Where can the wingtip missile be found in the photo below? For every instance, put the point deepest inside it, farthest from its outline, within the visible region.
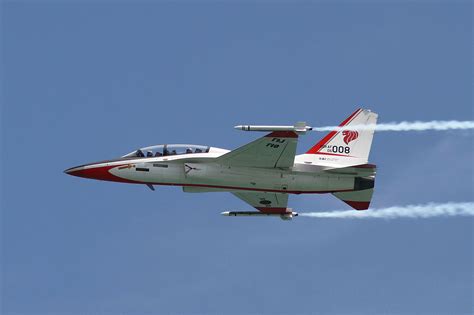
(299, 127)
(283, 216)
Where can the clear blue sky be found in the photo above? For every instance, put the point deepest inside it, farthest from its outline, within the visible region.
(84, 81)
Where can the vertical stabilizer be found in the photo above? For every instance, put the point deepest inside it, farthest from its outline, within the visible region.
(345, 146)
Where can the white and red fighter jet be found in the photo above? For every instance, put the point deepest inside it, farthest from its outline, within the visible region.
(262, 173)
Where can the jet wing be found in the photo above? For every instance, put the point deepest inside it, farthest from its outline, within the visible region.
(275, 150)
(274, 203)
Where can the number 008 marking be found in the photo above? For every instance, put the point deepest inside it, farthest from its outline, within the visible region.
(340, 149)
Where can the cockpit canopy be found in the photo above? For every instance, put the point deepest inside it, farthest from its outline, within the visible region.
(167, 149)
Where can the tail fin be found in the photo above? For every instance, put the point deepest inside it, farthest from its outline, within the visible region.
(359, 200)
(346, 147)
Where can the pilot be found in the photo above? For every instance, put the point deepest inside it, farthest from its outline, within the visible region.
(166, 152)
(149, 154)
(173, 152)
(158, 153)
(189, 150)
(198, 150)
(140, 153)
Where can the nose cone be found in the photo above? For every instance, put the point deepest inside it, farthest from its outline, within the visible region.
(98, 171)
(79, 171)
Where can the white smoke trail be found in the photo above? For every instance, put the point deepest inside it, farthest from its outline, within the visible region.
(407, 126)
(450, 209)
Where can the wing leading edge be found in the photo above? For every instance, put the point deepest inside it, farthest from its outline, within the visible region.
(275, 150)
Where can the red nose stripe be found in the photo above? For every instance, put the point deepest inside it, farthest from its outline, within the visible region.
(100, 173)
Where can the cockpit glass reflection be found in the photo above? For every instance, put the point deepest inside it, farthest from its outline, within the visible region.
(167, 150)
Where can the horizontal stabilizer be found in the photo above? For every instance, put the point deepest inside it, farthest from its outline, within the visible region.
(359, 200)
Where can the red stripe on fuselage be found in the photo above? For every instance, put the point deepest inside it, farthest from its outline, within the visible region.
(334, 154)
(102, 173)
(365, 166)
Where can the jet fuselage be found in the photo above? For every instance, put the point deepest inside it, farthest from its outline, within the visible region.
(198, 172)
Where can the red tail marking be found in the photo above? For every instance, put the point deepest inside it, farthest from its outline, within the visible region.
(349, 135)
(365, 166)
(331, 135)
(358, 205)
(334, 154)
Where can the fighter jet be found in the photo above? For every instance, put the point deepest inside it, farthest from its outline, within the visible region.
(263, 173)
